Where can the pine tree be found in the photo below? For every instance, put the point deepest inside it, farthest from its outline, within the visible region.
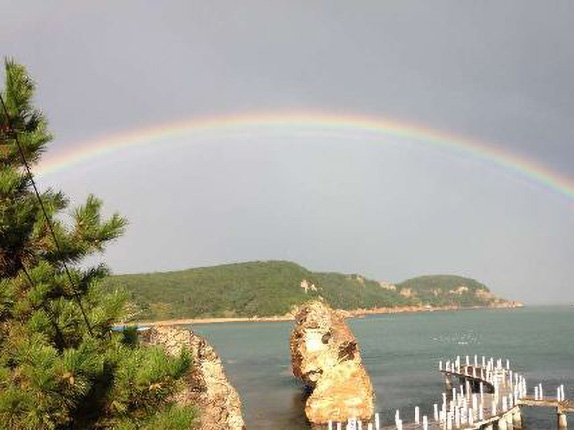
(61, 364)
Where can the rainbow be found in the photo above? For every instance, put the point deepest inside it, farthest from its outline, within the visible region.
(319, 122)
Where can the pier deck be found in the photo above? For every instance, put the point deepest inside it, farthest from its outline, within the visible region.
(478, 396)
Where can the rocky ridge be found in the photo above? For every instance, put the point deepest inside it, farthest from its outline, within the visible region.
(206, 385)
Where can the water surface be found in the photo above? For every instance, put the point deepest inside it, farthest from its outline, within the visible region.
(401, 353)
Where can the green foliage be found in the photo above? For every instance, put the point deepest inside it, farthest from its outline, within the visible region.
(56, 372)
(274, 288)
(448, 290)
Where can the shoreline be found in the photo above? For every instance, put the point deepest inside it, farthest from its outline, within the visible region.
(356, 313)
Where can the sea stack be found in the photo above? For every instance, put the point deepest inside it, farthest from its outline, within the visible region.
(325, 356)
(206, 385)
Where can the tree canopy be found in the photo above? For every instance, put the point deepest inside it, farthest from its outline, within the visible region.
(62, 366)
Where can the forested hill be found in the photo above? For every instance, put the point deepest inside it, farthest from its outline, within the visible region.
(267, 288)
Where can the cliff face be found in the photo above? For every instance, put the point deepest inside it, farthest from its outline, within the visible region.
(207, 387)
(326, 357)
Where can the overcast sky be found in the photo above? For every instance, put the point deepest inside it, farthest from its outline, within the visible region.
(389, 208)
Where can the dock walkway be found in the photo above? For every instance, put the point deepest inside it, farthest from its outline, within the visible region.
(481, 394)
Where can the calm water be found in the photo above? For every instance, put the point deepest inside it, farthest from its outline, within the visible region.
(401, 353)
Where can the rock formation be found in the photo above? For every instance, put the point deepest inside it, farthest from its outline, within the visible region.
(206, 386)
(326, 357)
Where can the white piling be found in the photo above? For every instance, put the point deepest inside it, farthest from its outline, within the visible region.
(417, 415)
(339, 426)
(470, 416)
(377, 421)
(481, 414)
(440, 365)
(536, 393)
(467, 361)
(435, 410)
(330, 425)
(425, 423)
(370, 426)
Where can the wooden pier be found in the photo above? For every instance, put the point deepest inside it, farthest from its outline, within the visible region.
(481, 394)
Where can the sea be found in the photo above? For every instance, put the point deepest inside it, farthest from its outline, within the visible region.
(401, 353)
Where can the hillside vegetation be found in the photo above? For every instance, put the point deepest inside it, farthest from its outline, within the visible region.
(277, 287)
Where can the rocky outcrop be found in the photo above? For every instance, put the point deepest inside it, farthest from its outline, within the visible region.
(206, 386)
(325, 356)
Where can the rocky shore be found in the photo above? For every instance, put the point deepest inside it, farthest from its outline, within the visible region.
(206, 385)
(354, 313)
(325, 356)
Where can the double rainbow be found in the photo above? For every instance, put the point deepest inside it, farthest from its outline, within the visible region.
(518, 164)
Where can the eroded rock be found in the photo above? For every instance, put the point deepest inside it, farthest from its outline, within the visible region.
(207, 387)
(326, 357)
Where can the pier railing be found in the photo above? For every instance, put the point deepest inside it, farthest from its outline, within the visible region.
(481, 393)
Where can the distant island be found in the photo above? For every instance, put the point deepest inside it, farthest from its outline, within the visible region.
(275, 289)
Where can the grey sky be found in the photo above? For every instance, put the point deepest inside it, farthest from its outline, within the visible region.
(499, 71)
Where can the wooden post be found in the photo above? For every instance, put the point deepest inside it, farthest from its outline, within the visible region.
(448, 382)
(562, 420)
(517, 419)
(509, 422)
